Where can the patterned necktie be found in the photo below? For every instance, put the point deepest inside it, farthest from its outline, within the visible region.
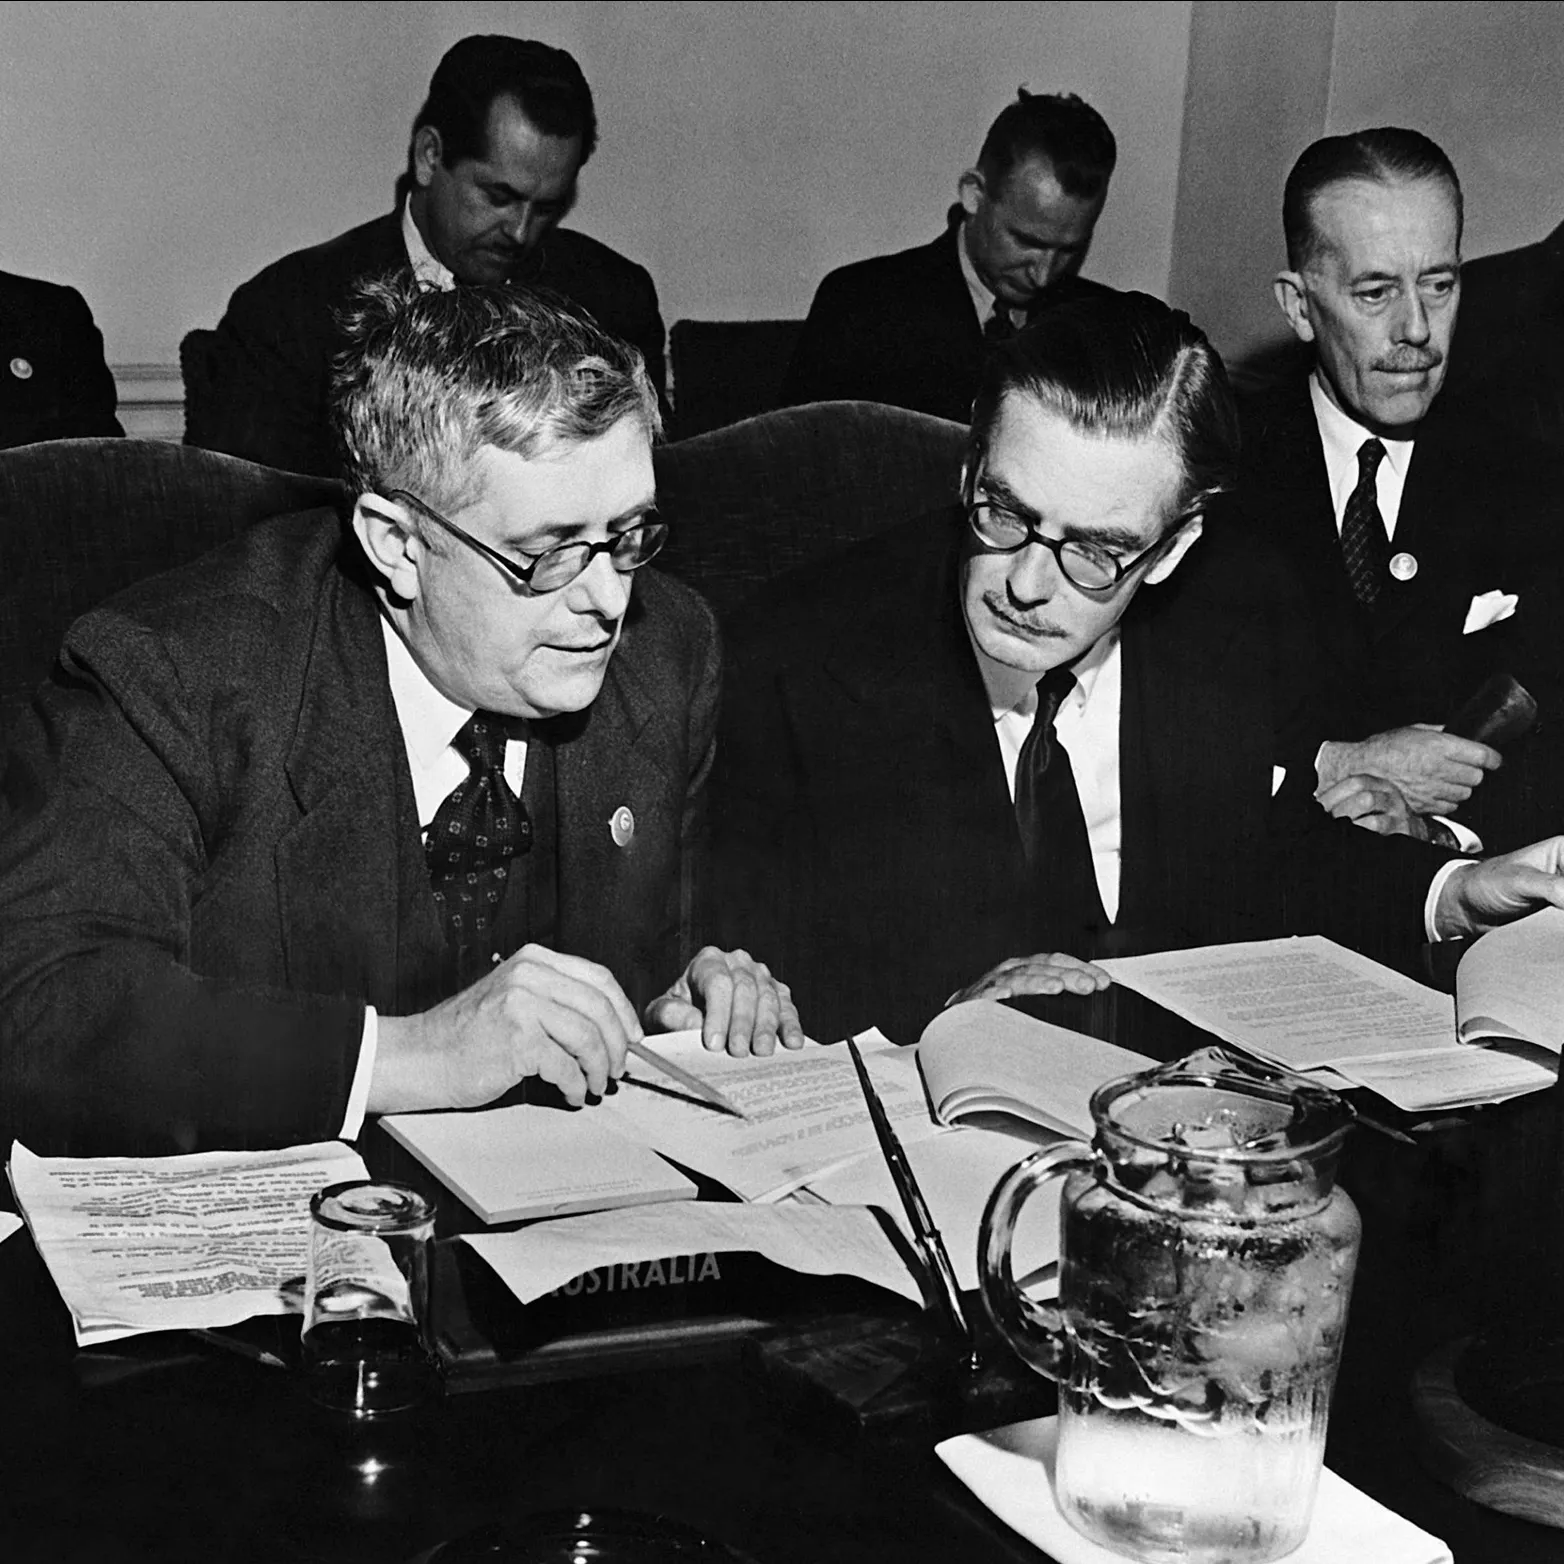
(476, 832)
(1364, 546)
(1053, 826)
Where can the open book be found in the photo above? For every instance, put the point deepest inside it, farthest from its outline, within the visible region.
(987, 1065)
(1510, 984)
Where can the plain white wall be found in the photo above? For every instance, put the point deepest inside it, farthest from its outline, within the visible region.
(158, 154)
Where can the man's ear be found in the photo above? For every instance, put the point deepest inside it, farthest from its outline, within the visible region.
(428, 151)
(1293, 297)
(972, 191)
(1182, 544)
(387, 535)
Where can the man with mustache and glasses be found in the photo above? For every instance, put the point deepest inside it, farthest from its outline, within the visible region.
(491, 172)
(383, 811)
(1414, 530)
(1064, 718)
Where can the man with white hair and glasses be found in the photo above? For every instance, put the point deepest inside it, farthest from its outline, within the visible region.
(387, 811)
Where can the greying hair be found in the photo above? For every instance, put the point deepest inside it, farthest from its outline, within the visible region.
(430, 377)
(1384, 154)
(1123, 366)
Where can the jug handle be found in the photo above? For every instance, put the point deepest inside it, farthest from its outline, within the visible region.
(1034, 1330)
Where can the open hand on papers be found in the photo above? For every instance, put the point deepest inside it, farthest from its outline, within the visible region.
(1043, 973)
(734, 1000)
(1480, 896)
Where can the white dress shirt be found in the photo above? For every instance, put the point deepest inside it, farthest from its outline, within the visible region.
(1087, 725)
(1342, 437)
(983, 301)
(429, 271)
(429, 721)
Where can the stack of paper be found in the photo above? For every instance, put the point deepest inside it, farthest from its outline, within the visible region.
(1310, 1004)
(511, 1164)
(804, 1111)
(175, 1243)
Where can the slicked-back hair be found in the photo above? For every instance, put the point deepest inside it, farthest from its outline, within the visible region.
(545, 81)
(1385, 154)
(1057, 126)
(429, 378)
(1120, 366)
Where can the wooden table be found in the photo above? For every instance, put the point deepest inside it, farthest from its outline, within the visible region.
(206, 1457)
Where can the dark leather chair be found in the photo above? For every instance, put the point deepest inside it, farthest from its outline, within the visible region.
(198, 370)
(753, 501)
(727, 370)
(79, 519)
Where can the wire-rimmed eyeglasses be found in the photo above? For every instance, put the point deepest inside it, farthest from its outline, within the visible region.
(1087, 566)
(558, 566)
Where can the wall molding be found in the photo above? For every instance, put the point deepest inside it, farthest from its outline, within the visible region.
(151, 400)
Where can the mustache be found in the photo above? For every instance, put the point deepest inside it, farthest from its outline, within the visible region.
(1407, 361)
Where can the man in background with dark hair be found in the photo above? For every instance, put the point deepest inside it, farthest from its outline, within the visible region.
(911, 329)
(54, 383)
(1055, 722)
(1414, 530)
(491, 172)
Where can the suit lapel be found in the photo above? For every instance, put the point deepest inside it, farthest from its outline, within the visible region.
(356, 917)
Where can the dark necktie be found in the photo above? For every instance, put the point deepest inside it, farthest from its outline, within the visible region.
(1053, 827)
(476, 832)
(999, 327)
(1364, 546)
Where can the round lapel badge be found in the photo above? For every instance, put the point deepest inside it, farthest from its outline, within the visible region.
(622, 826)
(1403, 566)
(21, 369)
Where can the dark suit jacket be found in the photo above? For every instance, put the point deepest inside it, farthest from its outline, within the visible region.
(900, 329)
(215, 861)
(1480, 512)
(865, 836)
(272, 357)
(54, 384)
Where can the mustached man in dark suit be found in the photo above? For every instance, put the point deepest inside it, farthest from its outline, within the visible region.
(910, 330)
(1419, 529)
(1055, 721)
(491, 172)
(386, 812)
(54, 384)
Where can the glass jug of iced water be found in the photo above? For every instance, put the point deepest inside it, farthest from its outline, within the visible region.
(1205, 1270)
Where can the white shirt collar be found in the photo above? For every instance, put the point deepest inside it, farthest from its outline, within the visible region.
(1342, 435)
(998, 680)
(429, 719)
(429, 271)
(983, 301)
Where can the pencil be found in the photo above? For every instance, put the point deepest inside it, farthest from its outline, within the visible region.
(924, 1233)
(691, 1083)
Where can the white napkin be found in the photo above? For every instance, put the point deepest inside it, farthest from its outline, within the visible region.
(1488, 608)
(1011, 1471)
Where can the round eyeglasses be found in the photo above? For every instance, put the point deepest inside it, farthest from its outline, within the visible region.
(1088, 566)
(558, 566)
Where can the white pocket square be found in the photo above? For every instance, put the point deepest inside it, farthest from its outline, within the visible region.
(1488, 608)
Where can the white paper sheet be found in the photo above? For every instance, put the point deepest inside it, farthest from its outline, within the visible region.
(805, 1111)
(983, 1057)
(957, 1171)
(1455, 1078)
(510, 1164)
(174, 1243)
(1303, 1002)
(1511, 982)
(1011, 1471)
(9, 1224)
(817, 1240)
